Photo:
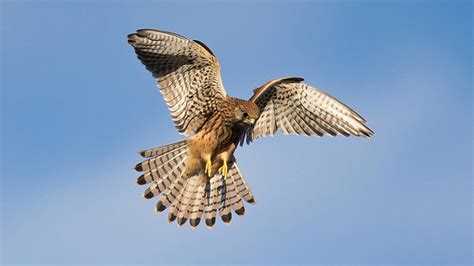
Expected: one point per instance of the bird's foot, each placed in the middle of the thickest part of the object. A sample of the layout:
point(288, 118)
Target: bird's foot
point(224, 170)
point(208, 169)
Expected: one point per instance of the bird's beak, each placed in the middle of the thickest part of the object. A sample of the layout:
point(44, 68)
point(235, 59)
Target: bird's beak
point(250, 121)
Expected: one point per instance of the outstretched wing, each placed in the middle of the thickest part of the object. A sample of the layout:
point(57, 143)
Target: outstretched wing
point(187, 73)
point(294, 107)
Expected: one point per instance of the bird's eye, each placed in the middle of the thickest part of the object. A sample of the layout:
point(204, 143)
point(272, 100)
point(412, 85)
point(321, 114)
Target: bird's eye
point(246, 114)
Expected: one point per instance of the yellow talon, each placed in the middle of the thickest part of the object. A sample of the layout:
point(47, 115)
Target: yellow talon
point(223, 170)
point(208, 169)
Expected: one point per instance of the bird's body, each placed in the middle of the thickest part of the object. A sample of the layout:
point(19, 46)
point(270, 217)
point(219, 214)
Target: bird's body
point(199, 176)
point(218, 138)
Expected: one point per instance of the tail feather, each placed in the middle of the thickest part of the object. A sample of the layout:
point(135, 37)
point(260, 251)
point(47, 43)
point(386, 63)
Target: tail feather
point(155, 189)
point(191, 198)
point(242, 188)
point(225, 204)
point(162, 178)
point(212, 203)
point(169, 195)
point(235, 199)
point(172, 214)
point(175, 208)
point(197, 206)
point(227, 195)
point(160, 160)
point(184, 204)
point(163, 149)
point(172, 169)
point(160, 165)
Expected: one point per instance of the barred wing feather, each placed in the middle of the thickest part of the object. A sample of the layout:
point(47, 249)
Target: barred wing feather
point(187, 73)
point(293, 107)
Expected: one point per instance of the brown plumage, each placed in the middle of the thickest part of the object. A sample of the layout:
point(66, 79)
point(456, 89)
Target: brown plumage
point(199, 177)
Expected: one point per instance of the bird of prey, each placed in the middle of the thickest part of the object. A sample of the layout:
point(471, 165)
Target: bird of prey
point(198, 177)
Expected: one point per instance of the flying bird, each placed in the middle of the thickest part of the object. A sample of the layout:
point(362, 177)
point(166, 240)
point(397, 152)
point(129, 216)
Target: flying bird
point(198, 177)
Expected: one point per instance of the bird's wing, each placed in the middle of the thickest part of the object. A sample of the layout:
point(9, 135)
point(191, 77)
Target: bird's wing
point(294, 107)
point(187, 73)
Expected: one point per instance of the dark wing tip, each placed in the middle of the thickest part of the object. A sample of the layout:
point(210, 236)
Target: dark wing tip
point(132, 39)
point(259, 91)
point(145, 32)
point(295, 79)
point(368, 132)
point(204, 46)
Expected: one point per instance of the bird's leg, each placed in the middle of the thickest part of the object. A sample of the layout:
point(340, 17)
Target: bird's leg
point(223, 170)
point(208, 169)
point(225, 156)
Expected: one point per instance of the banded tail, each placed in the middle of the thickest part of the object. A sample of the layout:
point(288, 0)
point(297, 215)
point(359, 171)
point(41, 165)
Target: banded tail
point(191, 197)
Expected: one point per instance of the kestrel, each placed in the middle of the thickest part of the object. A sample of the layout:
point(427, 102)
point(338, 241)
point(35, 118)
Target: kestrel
point(198, 177)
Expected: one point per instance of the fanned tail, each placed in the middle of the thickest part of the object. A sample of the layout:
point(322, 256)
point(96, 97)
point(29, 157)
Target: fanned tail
point(205, 198)
point(195, 197)
point(226, 195)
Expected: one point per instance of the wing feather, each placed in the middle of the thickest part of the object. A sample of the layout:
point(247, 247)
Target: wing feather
point(293, 107)
point(187, 73)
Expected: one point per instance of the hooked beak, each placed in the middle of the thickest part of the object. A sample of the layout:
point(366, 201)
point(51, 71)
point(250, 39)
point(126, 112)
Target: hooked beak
point(250, 121)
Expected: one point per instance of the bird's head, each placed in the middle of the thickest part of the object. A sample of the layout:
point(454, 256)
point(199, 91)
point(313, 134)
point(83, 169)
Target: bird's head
point(247, 113)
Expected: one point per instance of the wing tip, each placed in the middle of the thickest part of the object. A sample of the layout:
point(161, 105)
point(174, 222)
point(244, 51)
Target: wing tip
point(140, 33)
point(203, 45)
point(131, 37)
point(258, 91)
point(368, 133)
point(365, 131)
point(147, 31)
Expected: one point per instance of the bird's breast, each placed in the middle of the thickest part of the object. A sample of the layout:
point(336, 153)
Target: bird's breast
point(217, 134)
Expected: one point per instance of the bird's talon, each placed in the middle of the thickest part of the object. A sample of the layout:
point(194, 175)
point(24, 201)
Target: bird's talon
point(223, 170)
point(208, 169)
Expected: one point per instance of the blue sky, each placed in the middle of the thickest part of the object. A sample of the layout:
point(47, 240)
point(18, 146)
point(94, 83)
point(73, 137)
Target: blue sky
point(76, 106)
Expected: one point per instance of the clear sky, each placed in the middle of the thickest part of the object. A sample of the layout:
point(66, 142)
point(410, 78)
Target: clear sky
point(76, 106)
